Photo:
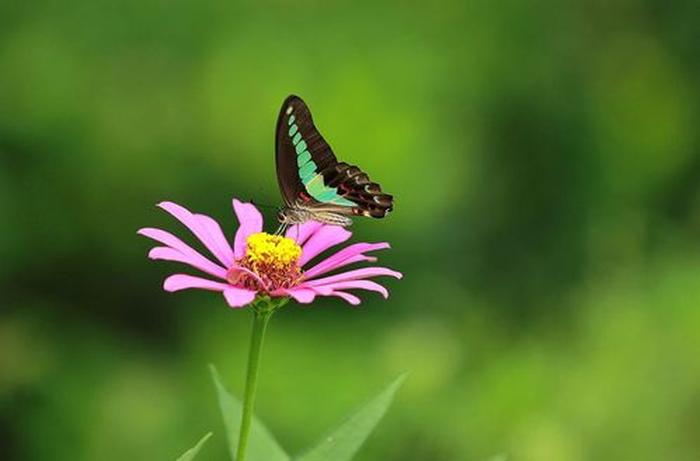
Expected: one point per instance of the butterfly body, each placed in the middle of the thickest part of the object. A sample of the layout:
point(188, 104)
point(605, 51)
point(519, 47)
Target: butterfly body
point(314, 184)
point(298, 214)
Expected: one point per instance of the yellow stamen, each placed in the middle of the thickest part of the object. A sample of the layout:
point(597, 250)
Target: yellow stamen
point(272, 258)
point(274, 250)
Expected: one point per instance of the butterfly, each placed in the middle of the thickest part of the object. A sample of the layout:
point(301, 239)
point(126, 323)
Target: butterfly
point(314, 184)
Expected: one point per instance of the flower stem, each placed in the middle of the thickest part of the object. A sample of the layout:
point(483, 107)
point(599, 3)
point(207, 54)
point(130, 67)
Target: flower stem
point(260, 321)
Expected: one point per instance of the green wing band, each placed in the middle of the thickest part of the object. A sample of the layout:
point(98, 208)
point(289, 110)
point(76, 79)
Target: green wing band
point(300, 147)
point(303, 158)
point(338, 200)
point(307, 172)
point(324, 194)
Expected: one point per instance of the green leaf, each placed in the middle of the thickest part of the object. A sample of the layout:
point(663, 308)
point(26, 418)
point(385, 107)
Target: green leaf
point(262, 446)
point(192, 452)
point(342, 443)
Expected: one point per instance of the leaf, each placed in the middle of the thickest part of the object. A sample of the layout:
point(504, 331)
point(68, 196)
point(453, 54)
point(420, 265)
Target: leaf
point(342, 443)
point(262, 446)
point(192, 452)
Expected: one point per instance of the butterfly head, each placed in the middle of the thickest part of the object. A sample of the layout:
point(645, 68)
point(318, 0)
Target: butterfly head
point(291, 216)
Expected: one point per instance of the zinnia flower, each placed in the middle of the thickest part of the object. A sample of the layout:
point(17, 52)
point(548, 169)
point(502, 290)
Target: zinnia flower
point(259, 263)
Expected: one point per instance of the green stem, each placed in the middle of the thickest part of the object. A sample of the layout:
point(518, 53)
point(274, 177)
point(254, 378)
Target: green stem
point(260, 320)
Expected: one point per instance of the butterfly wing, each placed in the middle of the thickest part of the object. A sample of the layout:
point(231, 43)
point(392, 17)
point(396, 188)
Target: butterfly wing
point(309, 174)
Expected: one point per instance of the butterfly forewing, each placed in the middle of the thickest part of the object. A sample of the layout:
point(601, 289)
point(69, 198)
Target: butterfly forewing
point(286, 158)
point(309, 174)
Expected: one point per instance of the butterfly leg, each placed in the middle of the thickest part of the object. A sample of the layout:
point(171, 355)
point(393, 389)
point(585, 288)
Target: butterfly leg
point(281, 229)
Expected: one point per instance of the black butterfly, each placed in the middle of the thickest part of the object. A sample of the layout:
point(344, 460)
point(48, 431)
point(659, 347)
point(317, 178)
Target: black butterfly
point(315, 186)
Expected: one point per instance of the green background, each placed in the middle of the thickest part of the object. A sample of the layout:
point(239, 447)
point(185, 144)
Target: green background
point(545, 159)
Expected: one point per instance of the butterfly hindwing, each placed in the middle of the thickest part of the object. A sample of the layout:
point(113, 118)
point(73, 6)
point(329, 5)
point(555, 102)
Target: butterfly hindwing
point(309, 172)
point(355, 186)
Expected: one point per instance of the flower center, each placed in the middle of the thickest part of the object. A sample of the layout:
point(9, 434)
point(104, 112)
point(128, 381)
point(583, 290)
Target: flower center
point(273, 258)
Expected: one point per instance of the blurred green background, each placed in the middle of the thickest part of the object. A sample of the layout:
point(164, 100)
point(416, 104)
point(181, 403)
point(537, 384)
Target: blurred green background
point(545, 159)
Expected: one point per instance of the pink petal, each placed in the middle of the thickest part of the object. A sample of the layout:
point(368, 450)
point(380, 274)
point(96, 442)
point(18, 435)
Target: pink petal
point(239, 297)
point(189, 255)
point(213, 229)
point(302, 295)
point(352, 284)
point(169, 254)
point(356, 274)
point(307, 295)
point(247, 271)
point(346, 262)
point(300, 233)
point(348, 255)
point(166, 238)
point(250, 220)
point(352, 299)
point(204, 228)
point(321, 240)
point(179, 282)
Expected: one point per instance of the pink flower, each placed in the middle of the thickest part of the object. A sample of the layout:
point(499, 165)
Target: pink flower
point(260, 263)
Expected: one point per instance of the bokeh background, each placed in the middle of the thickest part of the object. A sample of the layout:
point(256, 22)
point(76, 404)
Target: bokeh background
point(545, 159)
